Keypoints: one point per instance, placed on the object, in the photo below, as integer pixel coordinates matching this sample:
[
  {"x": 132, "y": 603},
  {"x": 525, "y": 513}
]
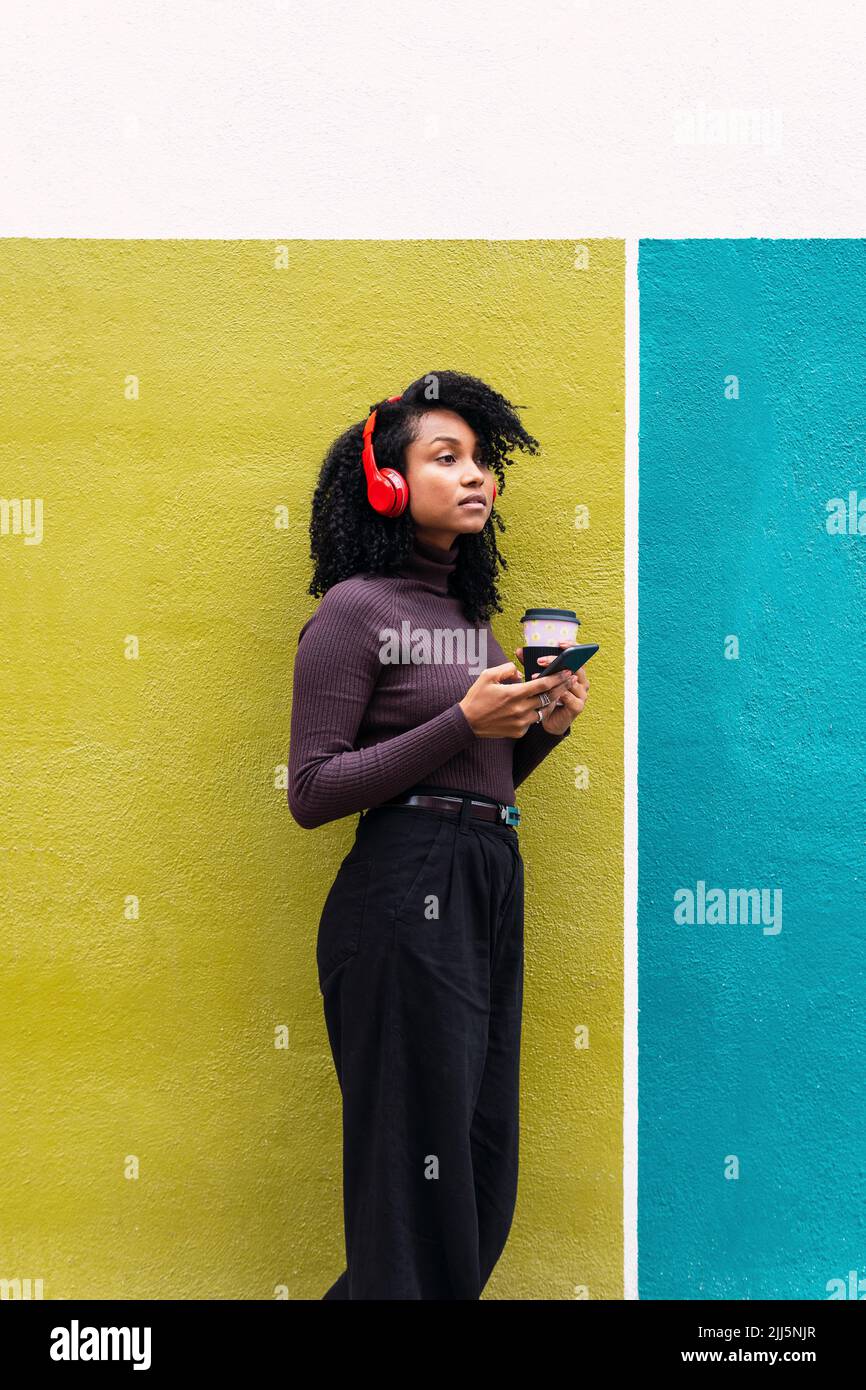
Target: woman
[{"x": 406, "y": 710}]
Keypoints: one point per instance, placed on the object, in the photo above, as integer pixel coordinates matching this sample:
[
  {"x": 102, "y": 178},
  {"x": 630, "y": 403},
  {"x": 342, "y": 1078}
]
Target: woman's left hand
[{"x": 561, "y": 713}]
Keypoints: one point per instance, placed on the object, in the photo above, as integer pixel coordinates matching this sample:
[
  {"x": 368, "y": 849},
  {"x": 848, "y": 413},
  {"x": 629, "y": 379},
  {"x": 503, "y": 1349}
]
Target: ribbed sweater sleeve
[
  {"x": 336, "y": 669},
  {"x": 532, "y": 749}
]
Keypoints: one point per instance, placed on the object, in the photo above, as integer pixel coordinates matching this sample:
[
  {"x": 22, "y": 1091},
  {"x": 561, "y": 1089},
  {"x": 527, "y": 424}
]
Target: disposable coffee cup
[{"x": 543, "y": 630}]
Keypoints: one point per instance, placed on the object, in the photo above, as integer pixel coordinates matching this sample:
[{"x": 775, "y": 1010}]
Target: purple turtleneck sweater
[{"x": 363, "y": 729}]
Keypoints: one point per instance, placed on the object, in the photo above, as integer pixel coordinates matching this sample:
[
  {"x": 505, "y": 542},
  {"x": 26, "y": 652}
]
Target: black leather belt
[{"x": 497, "y": 811}]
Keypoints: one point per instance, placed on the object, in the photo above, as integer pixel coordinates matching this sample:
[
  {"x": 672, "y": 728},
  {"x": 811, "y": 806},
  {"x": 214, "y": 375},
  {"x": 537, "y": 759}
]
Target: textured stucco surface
[
  {"x": 151, "y": 1038},
  {"x": 236, "y": 120},
  {"x": 751, "y": 770}
]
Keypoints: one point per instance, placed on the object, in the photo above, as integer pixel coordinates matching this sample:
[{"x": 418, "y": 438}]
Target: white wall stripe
[{"x": 630, "y": 755}]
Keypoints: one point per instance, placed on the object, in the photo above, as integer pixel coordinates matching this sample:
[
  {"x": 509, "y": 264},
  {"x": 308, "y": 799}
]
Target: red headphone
[{"x": 387, "y": 490}]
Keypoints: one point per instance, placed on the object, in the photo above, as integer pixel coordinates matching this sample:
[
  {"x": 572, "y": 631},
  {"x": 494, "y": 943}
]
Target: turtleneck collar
[{"x": 431, "y": 566}]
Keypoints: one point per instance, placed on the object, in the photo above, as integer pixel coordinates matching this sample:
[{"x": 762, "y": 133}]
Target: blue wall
[{"x": 751, "y": 771}]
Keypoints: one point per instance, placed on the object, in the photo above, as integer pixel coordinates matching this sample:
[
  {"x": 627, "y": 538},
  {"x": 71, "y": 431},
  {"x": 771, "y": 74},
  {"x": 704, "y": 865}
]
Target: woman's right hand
[{"x": 500, "y": 704}]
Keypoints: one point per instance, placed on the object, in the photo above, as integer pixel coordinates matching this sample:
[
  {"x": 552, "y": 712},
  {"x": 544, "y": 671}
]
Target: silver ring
[
  {"x": 538, "y": 717},
  {"x": 545, "y": 700}
]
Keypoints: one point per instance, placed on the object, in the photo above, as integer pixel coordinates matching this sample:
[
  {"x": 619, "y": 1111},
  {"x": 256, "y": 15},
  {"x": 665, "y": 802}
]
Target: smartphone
[{"x": 569, "y": 659}]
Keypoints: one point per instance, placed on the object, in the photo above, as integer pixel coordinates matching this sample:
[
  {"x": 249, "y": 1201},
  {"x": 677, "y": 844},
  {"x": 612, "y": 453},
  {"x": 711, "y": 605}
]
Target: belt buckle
[{"x": 509, "y": 815}]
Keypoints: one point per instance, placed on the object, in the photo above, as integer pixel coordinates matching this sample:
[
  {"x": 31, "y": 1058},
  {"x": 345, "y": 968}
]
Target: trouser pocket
[
  {"x": 422, "y": 869},
  {"x": 342, "y": 917}
]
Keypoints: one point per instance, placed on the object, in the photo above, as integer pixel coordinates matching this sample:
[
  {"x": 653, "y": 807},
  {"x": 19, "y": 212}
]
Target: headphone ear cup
[{"x": 400, "y": 492}]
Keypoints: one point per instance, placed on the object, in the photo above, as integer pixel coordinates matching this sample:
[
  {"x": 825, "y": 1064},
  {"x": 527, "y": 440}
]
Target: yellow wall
[{"x": 149, "y": 1040}]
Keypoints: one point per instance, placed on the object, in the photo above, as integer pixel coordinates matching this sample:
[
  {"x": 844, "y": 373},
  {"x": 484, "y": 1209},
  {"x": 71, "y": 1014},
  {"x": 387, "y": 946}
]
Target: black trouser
[{"x": 420, "y": 960}]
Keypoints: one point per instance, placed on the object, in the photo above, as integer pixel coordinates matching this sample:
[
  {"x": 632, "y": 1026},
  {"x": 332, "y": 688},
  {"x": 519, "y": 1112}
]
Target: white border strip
[{"x": 630, "y": 754}]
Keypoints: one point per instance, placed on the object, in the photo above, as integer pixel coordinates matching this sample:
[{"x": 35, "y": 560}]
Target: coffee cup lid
[{"x": 566, "y": 615}]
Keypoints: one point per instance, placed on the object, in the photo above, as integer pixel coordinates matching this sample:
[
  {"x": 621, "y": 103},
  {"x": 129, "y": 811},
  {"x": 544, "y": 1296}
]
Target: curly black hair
[{"x": 348, "y": 537}]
